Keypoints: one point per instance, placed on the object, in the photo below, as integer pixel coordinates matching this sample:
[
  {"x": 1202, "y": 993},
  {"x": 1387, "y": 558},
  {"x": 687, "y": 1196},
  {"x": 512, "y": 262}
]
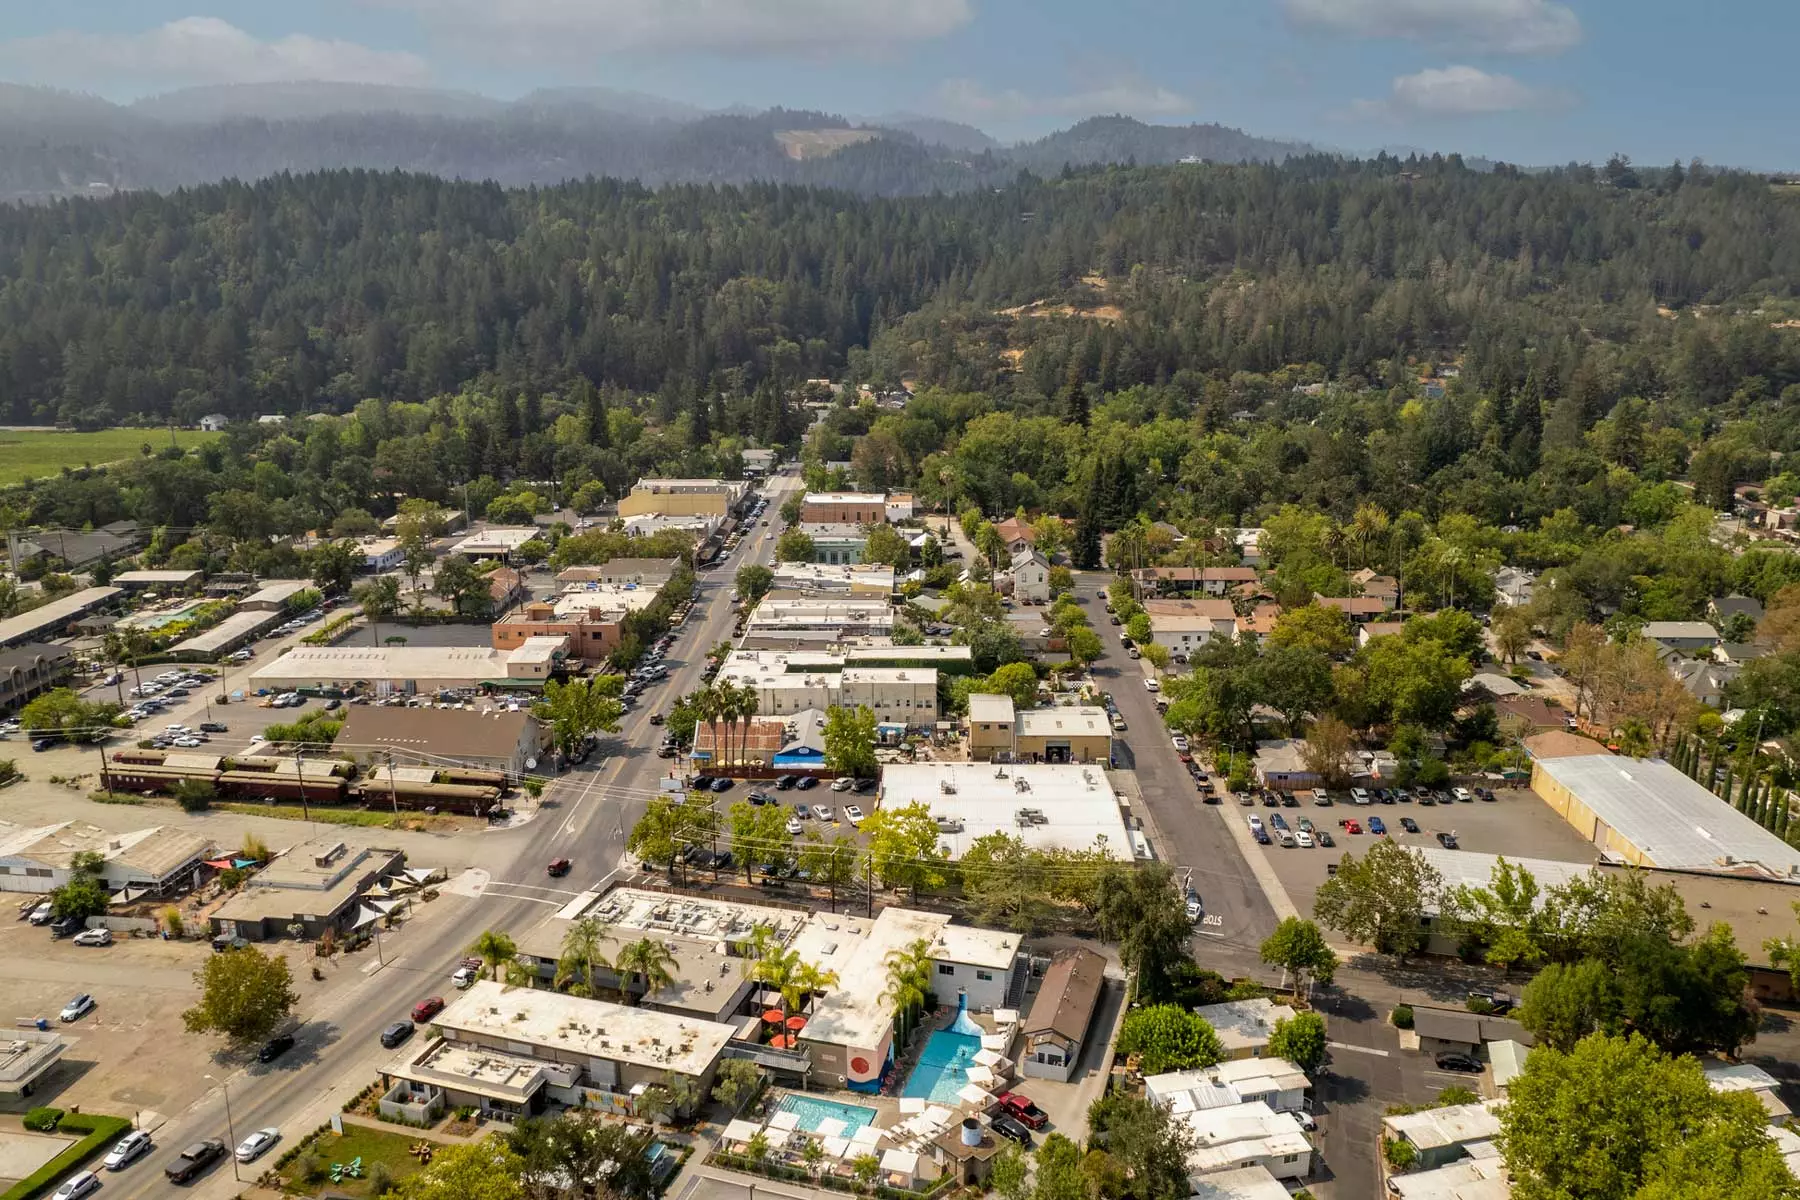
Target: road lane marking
[{"x": 1376, "y": 1051}]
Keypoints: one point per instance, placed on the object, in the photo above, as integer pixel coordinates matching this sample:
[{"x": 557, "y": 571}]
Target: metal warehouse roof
[{"x": 1673, "y": 821}]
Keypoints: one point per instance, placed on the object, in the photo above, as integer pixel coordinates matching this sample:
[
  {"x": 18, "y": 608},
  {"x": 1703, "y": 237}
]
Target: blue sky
[{"x": 1531, "y": 81}]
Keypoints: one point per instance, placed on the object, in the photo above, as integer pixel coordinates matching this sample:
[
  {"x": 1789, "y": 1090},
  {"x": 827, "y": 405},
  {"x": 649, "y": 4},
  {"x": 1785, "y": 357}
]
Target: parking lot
[{"x": 1516, "y": 823}]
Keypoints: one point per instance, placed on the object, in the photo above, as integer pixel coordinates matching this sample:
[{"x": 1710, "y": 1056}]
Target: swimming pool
[
  {"x": 943, "y": 1069},
  {"x": 811, "y": 1110}
]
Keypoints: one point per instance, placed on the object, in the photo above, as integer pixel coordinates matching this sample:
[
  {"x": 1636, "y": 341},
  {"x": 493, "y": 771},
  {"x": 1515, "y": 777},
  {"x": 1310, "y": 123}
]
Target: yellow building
[
  {"x": 1053, "y": 735},
  {"x": 682, "y": 498},
  {"x": 990, "y": 727}
]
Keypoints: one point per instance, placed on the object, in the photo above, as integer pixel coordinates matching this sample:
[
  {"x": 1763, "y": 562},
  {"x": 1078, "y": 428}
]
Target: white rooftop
[
  {"x": 1673, "y": 821},
  {"x": 1226, "y": 1136},
  {"x": 496, "y": 540},
  {"x": 846, "y": 498},
  {"x": 1224, "y": 1085},
  {"x": 1245, "y": 1024},
  {"x": 1466, "y": 1179},
  {"x": 1078, "y": 803},
  {"x": 1239, "y": 1183},
  {"x": 593, "y": 1028},
  {"x": 277, "y": 591},
  {"x": 1468, "y": 868},
  {"x": 579, "y": 599},
  {"x": 1061, "y": 722},
  {"x": 420, "y": 664},
  {"x": 1454, "y": 1125},
  {"x": 992, "y": 708}
]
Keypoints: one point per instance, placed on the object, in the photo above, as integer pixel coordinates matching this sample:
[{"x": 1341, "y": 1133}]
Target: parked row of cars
[{"x": 185, "y": 1168}]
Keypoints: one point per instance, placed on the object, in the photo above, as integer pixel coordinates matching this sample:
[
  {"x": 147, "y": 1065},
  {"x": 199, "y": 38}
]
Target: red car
[
  {"x": 1021, "y": 1108},
  {"x": 424, "y": 1010},
  {"x": 559, "y": 867},
  {"x": 1351, "y": 826}
]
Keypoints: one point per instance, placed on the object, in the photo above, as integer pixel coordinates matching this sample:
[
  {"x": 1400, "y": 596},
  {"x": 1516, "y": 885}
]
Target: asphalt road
[
  {"x": 1191, "y": 835},
  {"x": 586, "y": 816}
]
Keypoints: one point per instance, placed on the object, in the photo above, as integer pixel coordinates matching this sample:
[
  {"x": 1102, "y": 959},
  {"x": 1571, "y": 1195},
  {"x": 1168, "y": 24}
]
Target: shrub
[
  {"x": 1402, "y": 1016},
  {"x": 172, "y": 921},
  {"x": 1479, "y": 1004},
  {"x": 1400, "y": 1155},
  {"x": 381, "y": 1179},
  {"x": 42, "y": 1120},
  {"x": 100, "y": 1132}
]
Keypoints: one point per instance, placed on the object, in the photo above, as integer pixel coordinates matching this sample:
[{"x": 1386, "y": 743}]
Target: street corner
[{"x": 472, "y": 882}]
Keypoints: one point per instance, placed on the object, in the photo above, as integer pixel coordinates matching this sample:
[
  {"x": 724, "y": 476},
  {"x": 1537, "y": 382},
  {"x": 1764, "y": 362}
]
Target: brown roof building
[
  {"x": 1057, "y": 1025},
  {"x": 1533, "y": 709},
  {"x": 499, "y": 741},
  {"x": 1559, "y": 743}
]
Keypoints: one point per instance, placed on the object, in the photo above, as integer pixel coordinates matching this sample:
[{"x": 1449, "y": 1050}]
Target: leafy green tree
[
  {"x": 759, "y": 836},
  {"x": 1379, "y": 899},
  {"x": 885, "y": 544},
  {"x": 753, "y": 582},
  {"x": 737, "y": 1081},
  {"x": 245, "y": 995},
  {"x": 1565, "y": 1003},
  {"x": 1138, "y": 628},
  {"x": 1148, "y": 1149},
  {"x": 850, "y": 740},
  {"x": 1318, "y": 627},
  {"x": 648, "y": 963},
  {"x": 1138, "y": 910},
  {"x": 1018, "y": 680},
  {"x": 1615, "y": 1117},
  {"x": 487, "y": 1168},
  {"x": 669, "y": 823},
  {"x": 1167, "y": 1038},
  {"x": 62, "y": 712},
  {"x": 1299, "y": 948},
  {"x": 578, "y": 707},
  {"x": 85, "y": 894},
  {"x": 1300, "y": 1039},
  {"x": 795, "y": 546},
  {"x": 1059, "y": 1175},
  {"x": 1085, "y": 646},
  {"x": 458, "y": 581},
  {"x": 902, "y": 846},
  {"x": 1006, "y": 883}
]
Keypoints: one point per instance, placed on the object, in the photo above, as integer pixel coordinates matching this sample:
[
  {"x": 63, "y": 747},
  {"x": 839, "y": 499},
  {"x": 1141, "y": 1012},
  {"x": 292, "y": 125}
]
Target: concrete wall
[
  {"x": 1582, "y": 819},
  {"x": 985, "y": 995},
  {"x": 1053, "y": 1046}
]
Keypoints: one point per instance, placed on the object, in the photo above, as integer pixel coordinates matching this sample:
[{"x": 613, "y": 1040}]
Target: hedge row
[{"x": 101, "y": 1133}]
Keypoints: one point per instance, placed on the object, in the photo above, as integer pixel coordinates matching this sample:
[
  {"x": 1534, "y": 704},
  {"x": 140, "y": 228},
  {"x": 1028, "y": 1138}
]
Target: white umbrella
[
  {"x": 981, "y": 1075},
  {"x": 741, "y": 1131},
  {"x": 900, "y": 1162},
  {"x": 831, "y": 1127},
  {"x": 786, "y": 1122},
  {"x": 971, "y": 1094},
  {"x": 835, "y": 1147},
  {"x": 988, "y": 1058},
  {"x": 912, "y": 1104},
  {"x": 996, "y": 1041},
  {"x": 867, "y": 1136}
]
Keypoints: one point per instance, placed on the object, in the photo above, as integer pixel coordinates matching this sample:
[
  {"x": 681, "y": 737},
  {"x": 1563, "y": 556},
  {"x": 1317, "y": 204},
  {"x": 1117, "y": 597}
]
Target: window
[
  {"x": 946, "y": 969},
  {"x": 984, "y": 975},
  {"x": 1291, "y": 1158}
]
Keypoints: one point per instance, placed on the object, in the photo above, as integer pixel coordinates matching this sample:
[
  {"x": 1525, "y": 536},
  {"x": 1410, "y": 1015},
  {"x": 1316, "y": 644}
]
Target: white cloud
[
  {"x": 586, "y": 29},
  {"x": 1490, "y": 26},
  {"x": 1457, "y": 91},
  {"x": 1129, "y": 94},
  {"x": 199, "y": 50}
]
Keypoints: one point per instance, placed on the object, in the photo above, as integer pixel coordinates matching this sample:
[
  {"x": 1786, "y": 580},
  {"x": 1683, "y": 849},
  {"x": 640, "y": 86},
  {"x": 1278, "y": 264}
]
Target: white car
[
  {"x": 842, "y": 783},
  {"x": 853, "y": 813},
  {"x": 1150, "y": 685},
  {"x": 1463, "y": 794},
  {"x": 793, "y": 826},
  {"x": 463, "y": 978},
  {"x": 1180, "y": 742},
  {"x": 1361, "y": 795},
  {"x": 1303, "y": 838},
  {"x": 85, "y": 1183},
  {"x": 1255, "y": 821},
  {"x": 42, "y": 914},
  {"x": 94, "y": 937},
  {"x": 823, "y": 812},
  {"x": 257, "y": 1144},
  {"x": 77, "y": 1008},
  {"x": 126, "y": 1150},
  {"x": 257, "y": 739}
]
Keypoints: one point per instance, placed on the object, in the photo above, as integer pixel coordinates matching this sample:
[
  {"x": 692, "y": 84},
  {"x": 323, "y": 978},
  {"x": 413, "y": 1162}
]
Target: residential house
[
  {"x": 1682, "y": 635},
  {"x": 214, "y": 423},
  {"x": 1245, "y": 1026},
  {"x": 272, "y": 419},
  {"x": 1186, "y": 625},
  {"x": 1459, "y": 1031},
  {"x": 1440, "y": 1136},
  {"x": 1704, "y": 679},
  {"x": 1260, "y": 623},
  {"x": 1056, "y": 1026},
  {"x": 1030, "y": 575},
  {"x": 1513, "y": 586},
  {"x": 1249, "y": 547},
  {"x": 1724, "y": 608},
  {"x": 30, "y": 670},
  {"x": 1015, "y": 535},
  {"x": 1533, "y": 710},
  {"x": 1378, "y": 629},
  {"x": 1360, "y": 609},
  {"x": 506, "y": 587},
  {"x": 1213, "y": 581},
  {"x": 1240, "y": 1136}
]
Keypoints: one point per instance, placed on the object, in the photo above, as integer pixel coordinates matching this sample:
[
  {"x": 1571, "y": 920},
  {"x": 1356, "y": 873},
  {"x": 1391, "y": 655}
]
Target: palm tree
[
  {"x": 581, "y": 953},
  {"x": 809, "y": 979},
  {"x": 379, "y": 598},
  {"x": 707, "y": 703},
  {"x": 908, "y": 980},
  {"x": 1370, "y": 521},
  {"x": 495, "y": 949},
  {"x": 646, "y": 959}
]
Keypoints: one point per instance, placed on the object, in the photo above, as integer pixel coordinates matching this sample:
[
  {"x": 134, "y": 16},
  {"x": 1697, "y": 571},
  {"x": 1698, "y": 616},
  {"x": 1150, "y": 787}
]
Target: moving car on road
[
  {"x": 195, "y": 1159},
  {"x": 127, "y": 1149},
  {"x": 257, "y": 1144}
]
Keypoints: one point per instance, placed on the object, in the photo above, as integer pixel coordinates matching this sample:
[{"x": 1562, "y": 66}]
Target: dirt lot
[
  {"x": 131, "y": 1053},
  {"x": 1518, "y": 824}
]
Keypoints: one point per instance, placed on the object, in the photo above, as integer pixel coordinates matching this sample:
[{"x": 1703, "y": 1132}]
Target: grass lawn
[
  {"x": 33, "y": 454},
  {"x": 371, "y": 1145},
  {"x": 372, "y": 818}
]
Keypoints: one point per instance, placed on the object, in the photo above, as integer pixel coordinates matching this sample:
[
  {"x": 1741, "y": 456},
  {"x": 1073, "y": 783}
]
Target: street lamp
[{"x": 230, "y": 1129}]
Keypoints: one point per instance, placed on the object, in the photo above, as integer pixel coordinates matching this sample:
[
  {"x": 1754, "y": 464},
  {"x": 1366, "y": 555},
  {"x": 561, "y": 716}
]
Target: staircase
[{"x": 1021, "y": 976}]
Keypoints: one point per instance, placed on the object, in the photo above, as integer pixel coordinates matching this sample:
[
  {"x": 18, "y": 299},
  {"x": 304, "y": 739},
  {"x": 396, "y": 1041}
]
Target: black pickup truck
[{"x": 195, "y": 1159}]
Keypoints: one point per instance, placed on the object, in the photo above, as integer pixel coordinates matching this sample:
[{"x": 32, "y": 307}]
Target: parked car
[
  {"x": 257, "y": 1144},
  {"x": 807, "y": 783},
  {"x": 396, "y": 1033},
  {"x": 1447, "y": 840},
  {"x": 462, "y": 979},
  {"x": 1012, "y": 1130},
  {"x": 82, "y": 1183},
  {"x": 1254, "y": 821},
  {"x": 1408, "y": 824},
  {"x": 1463, "y": 794},
  {"x": 722, "y": 784},
  {"x": 127, "y": 1149},
  {"x": 842, "y": 783},
  {"x": 77, "y": 1008},
  {"x": 853, "y": 813},
  {"x": 558, "y": 868},
  {"x": 1303, "y": 839},
  {"x": 43, "y": 914},
  {"x": 275, "y": 1047},
  {"x": 760, "y": 798},
  {"x": 426, "y": 1009},
  {"x": 1150, "y": 685},
  {"x": 1351, "y": 826},
  {"x": 823, "y": 812},
  {"x": 1277, "y": 821},
  {"x": 785, "y": 782},
  {"x": 794, "y": 827},
  {"x": 1361, "y": 796},
  {"x": 195, "y": 1159},
  {"x": 94, "y": 937},
  {"x": 1021, "y": 1109},
  {"x": 1458, "y": 1062},
  {"x": 1377, "y": 826},
  {"x": 214, "y": 727},
  {"x": 1324, "y": 838}
]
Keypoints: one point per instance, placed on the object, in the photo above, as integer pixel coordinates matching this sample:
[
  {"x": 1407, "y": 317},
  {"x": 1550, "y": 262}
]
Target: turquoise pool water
[
  {"x": 943, "y": 1068},
  {"x": 812, "y": 1110}
]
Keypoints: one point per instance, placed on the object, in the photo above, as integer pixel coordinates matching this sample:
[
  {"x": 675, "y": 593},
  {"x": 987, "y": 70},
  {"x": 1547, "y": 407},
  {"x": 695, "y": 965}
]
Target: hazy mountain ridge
[{"x": 55, "y": 143}]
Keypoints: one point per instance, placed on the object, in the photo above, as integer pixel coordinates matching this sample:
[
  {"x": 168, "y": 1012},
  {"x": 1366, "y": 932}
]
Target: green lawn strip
[
  {"x": 325, "y": 816},
  {"x": 101, "y": 1132},
  {"x": 359, "y": 1141},
  {"x": 38, "y": 454}
]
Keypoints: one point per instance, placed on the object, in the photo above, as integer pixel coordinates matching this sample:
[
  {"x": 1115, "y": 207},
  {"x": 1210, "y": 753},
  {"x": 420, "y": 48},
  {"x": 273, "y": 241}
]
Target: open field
[{"x": 34, "y": 453}]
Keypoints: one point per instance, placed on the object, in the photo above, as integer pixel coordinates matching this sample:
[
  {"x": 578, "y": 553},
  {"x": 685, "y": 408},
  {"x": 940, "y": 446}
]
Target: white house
[
  {"x": 214, "y": 422},
  {"x": 1030, "y": 577},
  {"x": 1245, "y": 1026},
  {"x": 1275, "y": 1082},
  {"x": 1247, "y": 1135}
]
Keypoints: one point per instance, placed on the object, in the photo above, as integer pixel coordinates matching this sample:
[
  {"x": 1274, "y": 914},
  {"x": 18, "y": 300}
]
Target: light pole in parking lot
[{"x": 230, "y": 1129}]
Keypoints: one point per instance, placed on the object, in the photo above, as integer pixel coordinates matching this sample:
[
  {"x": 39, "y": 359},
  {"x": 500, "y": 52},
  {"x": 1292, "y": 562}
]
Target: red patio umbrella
[
  {"x": 772, "y": 1016},
  {"x": 796, "y": 1023}
]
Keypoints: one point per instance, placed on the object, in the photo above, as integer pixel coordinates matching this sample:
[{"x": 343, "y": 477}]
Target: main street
[{"x": 585, "y": 816}]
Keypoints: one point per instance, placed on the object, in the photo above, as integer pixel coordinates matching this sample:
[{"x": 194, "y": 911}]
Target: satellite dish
[{"x": 531, "y": 764}]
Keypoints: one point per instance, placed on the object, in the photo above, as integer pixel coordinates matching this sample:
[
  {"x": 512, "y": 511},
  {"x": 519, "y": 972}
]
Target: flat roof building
[
  {"x": 1245, "y": 1026},
  {"x": 1442, "y": 1135},
  {"x": 1237, "y": 1183},
  {"x": 239, "y": 629},
  {"x": 903, "y": 695},
  {"x": 1247, "y": 1135},
  {"x": 496, "y": 543},
  {"x": 820, "y": 621},
  {"x": 1063, "y": 806},
  {"x": 274, "y": 594},
  {"x": 1275, "y": 1082},
  {"x": 50, "y": 620},
  {"x": 683, "y": 497},
  {"x": 406, "y": 670},
  {"x": 853, "y": 579},
  {"x": 139, "y": 581},
  {"x": 844, "y": 508},
  {"x": 1483, "y": 1178},
  {"x": 157, "y": 861},
  {"x": 307, "y": 889},
  {"x": 26, "y": 1056},
  {"x": 640, "y": 572},
  {"x": 1645, "y": 812}
]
